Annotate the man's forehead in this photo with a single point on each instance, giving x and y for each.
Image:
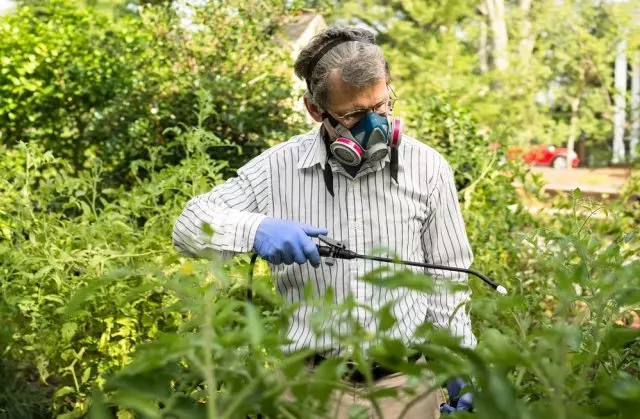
(345, 97)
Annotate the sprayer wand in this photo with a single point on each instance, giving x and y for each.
(334, 249)
(337, 250)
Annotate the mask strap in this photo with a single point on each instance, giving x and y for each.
(396, 135)
(394, 164)
(328, 174)
(328, 177)
(329, 129)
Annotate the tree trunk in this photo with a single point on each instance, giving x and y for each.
(619, 118)
(500, 38)
(634, 137)
(525, 48)
(483, 39)
(573, 129)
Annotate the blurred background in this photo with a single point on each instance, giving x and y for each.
(553, 83)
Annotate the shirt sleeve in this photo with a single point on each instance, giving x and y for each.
(445, 242)
(231, 212)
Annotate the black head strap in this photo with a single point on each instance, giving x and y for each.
(329, 46)
(328, 177)
(328, 174)
(394, 164)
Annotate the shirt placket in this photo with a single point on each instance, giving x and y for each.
(352, 235)
(357, 243)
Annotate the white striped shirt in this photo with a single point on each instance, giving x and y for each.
(416, 219)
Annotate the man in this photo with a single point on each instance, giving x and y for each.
(359, 180)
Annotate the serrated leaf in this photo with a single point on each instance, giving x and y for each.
(68, 330)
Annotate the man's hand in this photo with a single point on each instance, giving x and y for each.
(282, 241)
(457, 403)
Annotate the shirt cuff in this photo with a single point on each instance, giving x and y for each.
(240, 231)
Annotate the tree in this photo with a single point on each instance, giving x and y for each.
(620, 102)
(527, 70)
(500, 40)
(634, 137)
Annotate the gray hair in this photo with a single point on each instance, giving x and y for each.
(360, 63)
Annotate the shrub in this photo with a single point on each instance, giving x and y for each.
(62, 235)
(85, 86)
(560, 355)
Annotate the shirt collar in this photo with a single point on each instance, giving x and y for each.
(317, 154)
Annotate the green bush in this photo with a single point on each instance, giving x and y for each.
(86, 87)
(21, 396)
(560, 354)
(61, 235)
(495, 219)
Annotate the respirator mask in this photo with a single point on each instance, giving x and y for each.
(370, 139)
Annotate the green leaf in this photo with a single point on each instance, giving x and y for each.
(407, 280)
(255, 327)
(208, 230)
(85, 375)
(98, 408)
(358, 412)
(63, 391)
(386, 317)
(617, 337)
(68, 330)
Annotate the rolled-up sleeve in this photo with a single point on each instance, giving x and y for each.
(445, 242)
(231, 212)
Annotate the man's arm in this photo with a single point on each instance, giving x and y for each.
(445, 242)
(229, 209)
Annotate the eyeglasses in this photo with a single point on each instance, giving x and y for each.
(349, 119)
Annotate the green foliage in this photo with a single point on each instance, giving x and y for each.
(559, 54)
(87, 87)
(21, 396)
(89, 276)
(550, 349)
(62, 235)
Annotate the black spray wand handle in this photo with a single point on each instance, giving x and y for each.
(342, 253)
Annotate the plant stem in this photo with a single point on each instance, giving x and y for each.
(208, 372)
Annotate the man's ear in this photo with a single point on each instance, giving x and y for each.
(313, 110)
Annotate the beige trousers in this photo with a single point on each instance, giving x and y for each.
(425, 403)
(424, 400)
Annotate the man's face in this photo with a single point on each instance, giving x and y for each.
(348, 104)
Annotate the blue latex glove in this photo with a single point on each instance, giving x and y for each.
(457, 403)
(283, 241)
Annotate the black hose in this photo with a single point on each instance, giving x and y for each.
(339, 253)
(432, 266)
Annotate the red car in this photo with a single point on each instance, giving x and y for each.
(542, 155)
(552, 156)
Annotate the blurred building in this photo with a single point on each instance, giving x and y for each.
(299, 31)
